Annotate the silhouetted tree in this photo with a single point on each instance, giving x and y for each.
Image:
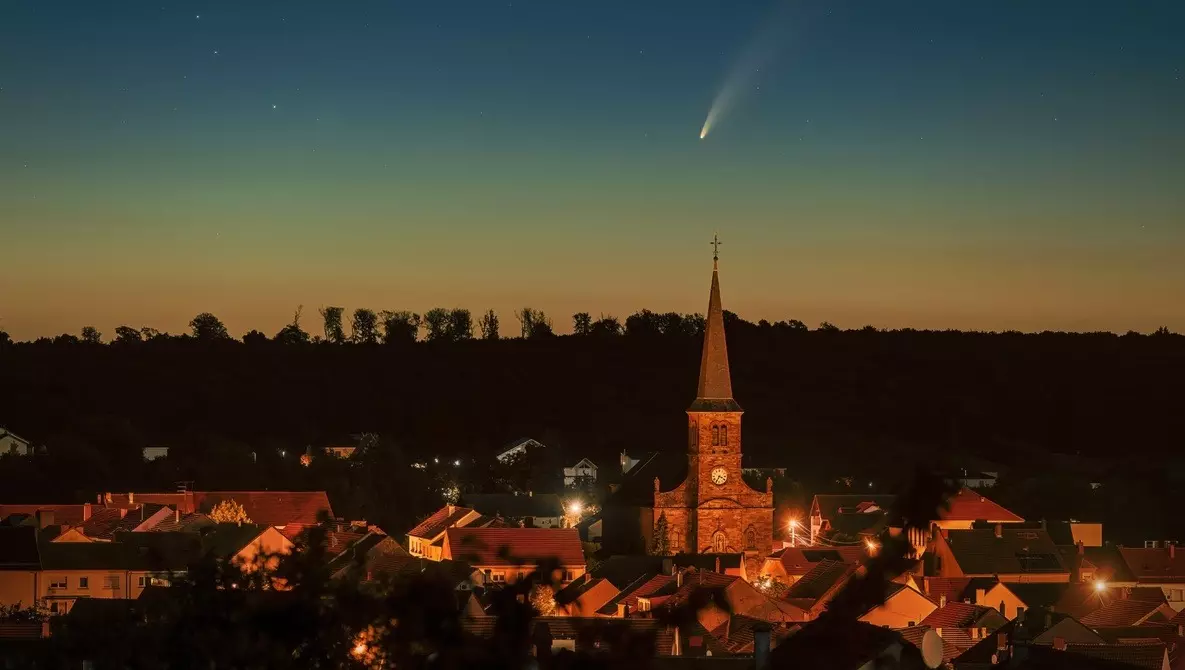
(254, 338)
(642, 324)
(150, 333)
(5, 339)
(660, 545)
(488, 325)
(91, 335)
(127, 335)
(334, 330)
(582, 324)
(460, 325)
(399, 326)
(606, 326)
(828, 327)
(436, 324)
(534, 323)
(208, 328)
(365, 328)
(795, 324)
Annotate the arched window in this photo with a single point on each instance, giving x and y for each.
(676, 541)
(724, 436)
(750, 538)
(715, 436)
(719, 543)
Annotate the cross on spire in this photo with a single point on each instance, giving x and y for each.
(715, 248)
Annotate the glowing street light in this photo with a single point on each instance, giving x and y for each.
(575, 508)
(871, 545)
(1100, 586)
(794, 524)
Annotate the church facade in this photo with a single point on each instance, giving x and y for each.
(714, 510)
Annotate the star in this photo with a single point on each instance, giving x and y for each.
(197, 16)
(215, 52)
(273, 106)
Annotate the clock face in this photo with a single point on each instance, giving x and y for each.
(719, 476)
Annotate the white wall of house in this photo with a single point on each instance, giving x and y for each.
(14, 444)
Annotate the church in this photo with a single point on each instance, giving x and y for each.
(714, 510)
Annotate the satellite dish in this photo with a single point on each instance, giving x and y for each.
(931, 649)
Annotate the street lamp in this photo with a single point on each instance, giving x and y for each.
(794, 524)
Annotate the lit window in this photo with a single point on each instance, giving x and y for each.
(643, 604)
(715, 436)
(724, 436)
(499, 577)
(58, 583)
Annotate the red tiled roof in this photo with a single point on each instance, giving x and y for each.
(820, 581)
(188, 523)
(967, 505)
(1156, 565)
(956, 615)
(645, 588)
(736, 634)
(70, 515)
(1149, 656)
(697, 580)
(515, 546)
(267, 508)
(1126, 612)
(441, 519)
(914, 635)
(798, 561)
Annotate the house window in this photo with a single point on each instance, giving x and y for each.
(724, 436)
(719, 542)
(498, 577)
(141, 581)
(643, 604)
(111, 582)
(715, 436)
(53, 607)
(84, 582)
(58, 582)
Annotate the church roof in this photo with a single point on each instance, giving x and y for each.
(714, 393)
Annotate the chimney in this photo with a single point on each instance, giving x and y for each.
(107, 498)
(587, 577)
(620, 610)
(926, 585)
(131, 498)
(1059, 644)
(86, 512)
(942, 600)
(450, 509)
(679, 579)
(999, 530)
(177, 515)
(1081, 548)
(717, 564)
(1173, 551)
(761, 644)
(45, 518)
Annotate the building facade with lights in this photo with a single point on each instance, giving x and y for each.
(714, 510)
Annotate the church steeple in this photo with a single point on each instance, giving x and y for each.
(714, 393)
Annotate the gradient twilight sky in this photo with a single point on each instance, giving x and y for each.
(967, 164)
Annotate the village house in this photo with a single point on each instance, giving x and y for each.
(518, 448)
(1005, 553)
(154, 453)
(11, 443)
(505, 555)
(1161, 567)
(584, 473)
(789, 564)
(532, 510)
(427, 538)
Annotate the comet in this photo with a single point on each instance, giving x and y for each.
(742, 77)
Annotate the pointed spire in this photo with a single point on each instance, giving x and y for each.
(715, 382)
